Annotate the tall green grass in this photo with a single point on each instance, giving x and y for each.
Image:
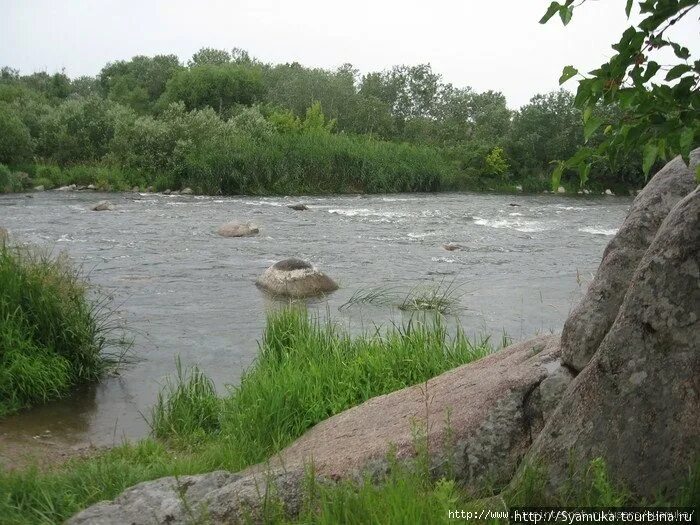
(52, 336)
(306, 371)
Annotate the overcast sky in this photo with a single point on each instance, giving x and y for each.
(485, 44)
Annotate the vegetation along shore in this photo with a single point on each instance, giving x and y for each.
(226, 123)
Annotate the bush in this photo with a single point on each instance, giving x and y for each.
(16, 144)
(51, 336)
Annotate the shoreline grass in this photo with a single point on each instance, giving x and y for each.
(307, 370)
(53, 337)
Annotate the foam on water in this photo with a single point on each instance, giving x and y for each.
(599, 231)
(517, 225)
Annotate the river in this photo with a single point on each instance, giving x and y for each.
(184, 291)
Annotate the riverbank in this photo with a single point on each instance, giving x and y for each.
(306, 371)
(441, 178)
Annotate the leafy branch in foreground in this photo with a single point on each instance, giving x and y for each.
(657, 104)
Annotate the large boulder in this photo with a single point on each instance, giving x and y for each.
(216, 497)
(237, 229)
(295, 278)
(637, 404)
(164, 500)
(594, 315)
(482, 418)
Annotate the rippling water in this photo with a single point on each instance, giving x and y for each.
(186, 291)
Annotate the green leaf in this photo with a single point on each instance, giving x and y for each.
(686, 140)
(651, 70)
(680, 51)
(587, 112)
(565, 13)
(677, 71)
(583, 173)
(551, 11)
(628, 7)
(556, 175)
(591, 126)
(567, 73)
(651, 151)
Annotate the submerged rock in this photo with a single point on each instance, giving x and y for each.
(451, 246)
(637, 403)
(594, 315)
(298, 207)
(237, 229)
(102, 206)
(295, 278)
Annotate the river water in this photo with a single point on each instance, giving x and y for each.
(184, 291)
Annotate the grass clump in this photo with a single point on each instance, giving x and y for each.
(441, 297)
(307, 371)
(52, 337)
(186, 407)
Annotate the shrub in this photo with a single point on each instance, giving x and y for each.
(16, 144)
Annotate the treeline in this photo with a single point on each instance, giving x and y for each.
(227, 123)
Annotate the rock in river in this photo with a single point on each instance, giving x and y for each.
(238, 229)
(295, 278)
(102, 206)
(298, 207)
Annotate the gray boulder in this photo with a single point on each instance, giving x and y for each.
(70, 187)
(238, 229)
(167, 500)
(102, 206)
(594, 315)
(482, 416)
(637, 404)
(295, 278)
(187, 191)
(39, 188)
(298, 207)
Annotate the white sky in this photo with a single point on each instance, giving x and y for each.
(486, 44)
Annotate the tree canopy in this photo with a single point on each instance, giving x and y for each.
(656, 100)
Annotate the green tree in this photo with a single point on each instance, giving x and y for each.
(139, 82)
(15, 141)
(77, 130)
(548, 127)
(209, 56)
(218, 87)
(660, 102)
(496, 163)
